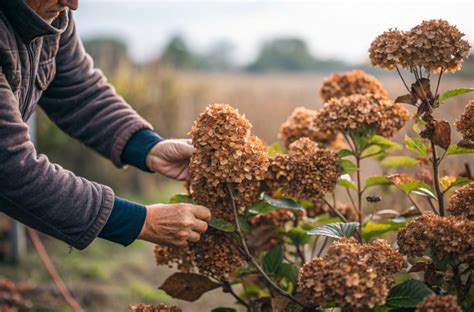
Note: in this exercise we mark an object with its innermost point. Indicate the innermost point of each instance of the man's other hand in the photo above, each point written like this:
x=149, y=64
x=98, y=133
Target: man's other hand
x=174, y=224
x=171, y=158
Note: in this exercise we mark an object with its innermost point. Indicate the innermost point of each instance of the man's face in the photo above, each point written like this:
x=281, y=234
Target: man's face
x=50, y=9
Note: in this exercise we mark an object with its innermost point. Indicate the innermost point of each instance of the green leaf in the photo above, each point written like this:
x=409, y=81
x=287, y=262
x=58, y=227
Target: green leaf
x=244, y=225
x=299, y=236
x=416, y=145
x=274, y=150
x=448, y=182
x=455, y=149
x=288, y=271
x=407, y=294
x=221, y=225
x=451, y=93
x=261, y=207
x=424, y=192
x=344, y=153
x=181, y=198
x=326, y=219
x=273, y=259
x=410, y=186
x=398, y=161
x=376, y=180
x=284, y=202
x=335, y=230
x=223, y=309
x=374, y=229
x=371, y=151
x=346, y=183
x=347, y=166
x=384, y=143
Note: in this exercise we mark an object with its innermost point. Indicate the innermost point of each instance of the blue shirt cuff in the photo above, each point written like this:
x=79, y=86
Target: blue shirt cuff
x=137, y=148
x=125, y=222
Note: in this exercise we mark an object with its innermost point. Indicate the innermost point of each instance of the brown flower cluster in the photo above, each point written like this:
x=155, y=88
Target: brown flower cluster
x=308, y=171
x=435, y=303
x=434, y=45
x=302, y=123
x=152, y=308
x=461, y=202
x=465, y=124
x=450, y=236
x=356, y=111
x=214, y=255
x=320, y=207
x=349, y=83
x=225, y=153
x=353, y=275
x=277, y=217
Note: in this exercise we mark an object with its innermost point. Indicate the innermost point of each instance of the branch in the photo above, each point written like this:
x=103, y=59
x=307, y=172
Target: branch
x=252, y=260
x=227, y=288
x=439, y=193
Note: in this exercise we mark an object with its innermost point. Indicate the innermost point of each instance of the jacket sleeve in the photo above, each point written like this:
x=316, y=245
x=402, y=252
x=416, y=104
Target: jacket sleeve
x=43, y=195
x=81, y=102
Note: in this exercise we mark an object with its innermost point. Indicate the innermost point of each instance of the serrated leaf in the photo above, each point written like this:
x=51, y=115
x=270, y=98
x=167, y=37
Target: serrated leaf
x=416, y=145
x=221, y=225
x=376, y=180
x=181, y=198
x=456, y=149
x=344, y=153
x=407, y=294
x=451, y=93
x=335, y=230
x=284, y=202
x=399, y=161
x=374, y=229
x=274, y=150
x=188, y=286
x=273, y=259
x=347, y=166
x=346, y=183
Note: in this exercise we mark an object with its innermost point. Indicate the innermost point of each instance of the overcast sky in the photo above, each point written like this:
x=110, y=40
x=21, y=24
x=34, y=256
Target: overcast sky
x=333, y=29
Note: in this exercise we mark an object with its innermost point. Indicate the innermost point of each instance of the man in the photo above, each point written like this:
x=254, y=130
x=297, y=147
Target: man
x=43, y=62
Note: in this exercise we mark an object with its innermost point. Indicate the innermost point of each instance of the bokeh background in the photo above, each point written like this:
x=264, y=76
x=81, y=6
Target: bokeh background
x=169, y=59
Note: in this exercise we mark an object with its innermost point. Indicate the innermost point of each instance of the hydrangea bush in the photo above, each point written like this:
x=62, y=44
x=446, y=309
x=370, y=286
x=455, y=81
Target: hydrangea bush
x=301, y=231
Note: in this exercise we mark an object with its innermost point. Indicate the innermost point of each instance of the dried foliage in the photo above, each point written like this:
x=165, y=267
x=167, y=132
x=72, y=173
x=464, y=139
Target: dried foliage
x=450, y=236
x=350, y=274
x=434, y=45
x=356, y=111
x=350, y=83
x=302, y=123
x=320, y=207
x=461, y=202
x=277, y=217
x=435, y=303
x=152, y=308
x=465, y=124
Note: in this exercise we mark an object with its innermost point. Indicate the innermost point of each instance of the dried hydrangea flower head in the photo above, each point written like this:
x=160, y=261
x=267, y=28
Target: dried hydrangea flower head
x=182, y=257
x=349, y=83
x=225, y=152
x=217, y=255
x=435, y=303
x=450, y=236
x=465, y=124
x=357, y=111
x=461, y=202
x=349, y=275
x=437, y=46
x=152, y=308
x=302, y=124
x=277, y=217
x=320, y=207
x=386, y=51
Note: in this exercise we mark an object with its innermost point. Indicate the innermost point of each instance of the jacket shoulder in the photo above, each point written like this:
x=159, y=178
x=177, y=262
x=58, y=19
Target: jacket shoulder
x=7, y=35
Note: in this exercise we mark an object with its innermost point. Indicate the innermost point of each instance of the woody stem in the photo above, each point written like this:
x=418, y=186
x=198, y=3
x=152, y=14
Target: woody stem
x=439, y=193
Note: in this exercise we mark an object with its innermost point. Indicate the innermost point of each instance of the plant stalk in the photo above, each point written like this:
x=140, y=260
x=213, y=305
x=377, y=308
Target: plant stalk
x=439, y=193
x=254, y=262
x=227, y=288
x=359, y=196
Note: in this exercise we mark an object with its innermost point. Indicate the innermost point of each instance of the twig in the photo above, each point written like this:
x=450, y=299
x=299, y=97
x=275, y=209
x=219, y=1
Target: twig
x=252, y=260
x=415, y=204
x=337, y=212
x=352, y=200
x=359, y=195
x=48, y=264
x=439, y=80
x=431, y=205
x=323, y=246
x=315, y=243
x=227, y=288
x=400, y=74
x=439, y=194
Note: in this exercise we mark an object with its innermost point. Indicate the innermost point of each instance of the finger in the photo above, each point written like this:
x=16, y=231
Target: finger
x=180, y=243
x=200, y=226
x=194, y=237
x=185, y=151
x=182, y=235
x=201, y=212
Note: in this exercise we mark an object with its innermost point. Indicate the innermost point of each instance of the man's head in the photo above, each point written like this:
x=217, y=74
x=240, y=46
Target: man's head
x=50, y=9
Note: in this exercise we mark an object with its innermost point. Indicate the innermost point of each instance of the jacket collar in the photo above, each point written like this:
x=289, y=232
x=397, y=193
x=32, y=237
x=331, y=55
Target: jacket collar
x=30, y=25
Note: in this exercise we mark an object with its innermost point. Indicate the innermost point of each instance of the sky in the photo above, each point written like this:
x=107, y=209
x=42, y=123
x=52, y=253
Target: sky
x=337, y=29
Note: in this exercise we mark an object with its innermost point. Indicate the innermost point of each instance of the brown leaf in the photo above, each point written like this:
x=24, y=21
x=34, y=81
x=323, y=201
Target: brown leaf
x=188, y=286
x=422, y=89
x=410, y=212
x=407, y=99
x=442, y=134
x=418, y=267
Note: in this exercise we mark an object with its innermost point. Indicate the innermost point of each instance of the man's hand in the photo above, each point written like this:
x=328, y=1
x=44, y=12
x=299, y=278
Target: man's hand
x=174, y=224
x=171, y=158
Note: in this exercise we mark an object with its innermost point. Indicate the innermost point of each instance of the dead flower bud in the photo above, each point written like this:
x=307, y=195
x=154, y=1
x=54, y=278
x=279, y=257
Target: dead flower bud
x=434, y=303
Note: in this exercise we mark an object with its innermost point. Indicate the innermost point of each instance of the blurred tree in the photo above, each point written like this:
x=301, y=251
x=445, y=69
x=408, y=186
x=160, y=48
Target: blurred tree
x=177, y=55
x=219, y=57
x=108, y=53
